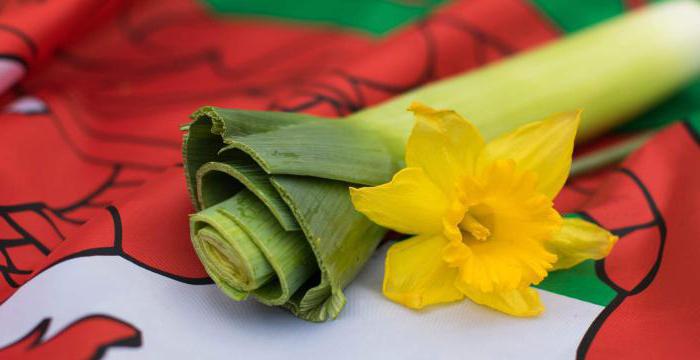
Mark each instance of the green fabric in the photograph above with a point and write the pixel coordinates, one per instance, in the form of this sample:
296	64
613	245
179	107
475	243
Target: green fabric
377	17
694	122
579	282
574	15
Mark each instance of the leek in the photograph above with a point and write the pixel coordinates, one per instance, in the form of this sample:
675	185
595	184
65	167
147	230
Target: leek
274	217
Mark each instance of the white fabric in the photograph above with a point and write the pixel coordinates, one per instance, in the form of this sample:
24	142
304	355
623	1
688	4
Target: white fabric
10	72
197	321
26	105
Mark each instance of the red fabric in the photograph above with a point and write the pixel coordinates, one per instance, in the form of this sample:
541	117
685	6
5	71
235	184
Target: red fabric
85	338
654	266
32	30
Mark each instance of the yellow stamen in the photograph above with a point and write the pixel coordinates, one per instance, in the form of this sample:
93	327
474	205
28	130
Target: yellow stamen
474	227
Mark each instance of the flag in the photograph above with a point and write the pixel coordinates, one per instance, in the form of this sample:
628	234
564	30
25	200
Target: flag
95	255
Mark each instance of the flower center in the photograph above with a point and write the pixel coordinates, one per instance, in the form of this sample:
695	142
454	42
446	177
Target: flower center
478	222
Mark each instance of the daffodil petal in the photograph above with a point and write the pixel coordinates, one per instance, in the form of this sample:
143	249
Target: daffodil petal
415	274
444	144
544	147
518	302
579	240
409	204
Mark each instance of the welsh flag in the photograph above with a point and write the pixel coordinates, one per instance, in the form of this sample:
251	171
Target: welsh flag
95	255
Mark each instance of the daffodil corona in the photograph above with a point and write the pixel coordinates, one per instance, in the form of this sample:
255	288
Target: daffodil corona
482	213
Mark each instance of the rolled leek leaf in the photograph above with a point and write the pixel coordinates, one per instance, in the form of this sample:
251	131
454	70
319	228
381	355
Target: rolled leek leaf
294	241
274	218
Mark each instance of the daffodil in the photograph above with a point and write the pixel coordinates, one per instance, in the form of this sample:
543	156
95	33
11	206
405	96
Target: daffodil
482	214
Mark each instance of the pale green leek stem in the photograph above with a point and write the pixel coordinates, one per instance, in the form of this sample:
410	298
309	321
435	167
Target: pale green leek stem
613	71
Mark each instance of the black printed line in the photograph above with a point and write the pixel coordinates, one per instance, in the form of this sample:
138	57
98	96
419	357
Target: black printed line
622	294
26	39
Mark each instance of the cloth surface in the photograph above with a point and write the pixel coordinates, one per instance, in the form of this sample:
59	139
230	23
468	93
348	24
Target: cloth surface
95	258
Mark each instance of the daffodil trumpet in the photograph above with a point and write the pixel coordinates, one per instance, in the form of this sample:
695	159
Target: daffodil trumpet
275	220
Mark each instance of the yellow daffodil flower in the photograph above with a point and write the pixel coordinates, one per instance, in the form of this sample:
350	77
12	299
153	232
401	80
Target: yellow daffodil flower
481	212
